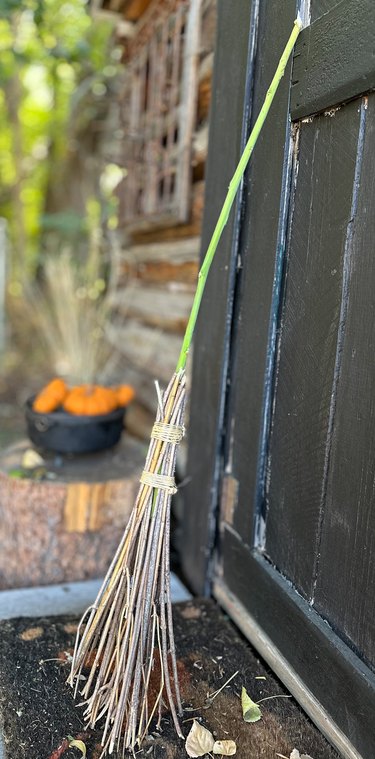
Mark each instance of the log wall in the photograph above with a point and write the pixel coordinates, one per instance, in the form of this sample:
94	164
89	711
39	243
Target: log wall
155	271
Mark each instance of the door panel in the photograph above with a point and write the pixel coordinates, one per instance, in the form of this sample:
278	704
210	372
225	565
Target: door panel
309	325
346	596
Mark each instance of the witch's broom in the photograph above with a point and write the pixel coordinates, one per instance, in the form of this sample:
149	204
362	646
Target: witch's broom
125	640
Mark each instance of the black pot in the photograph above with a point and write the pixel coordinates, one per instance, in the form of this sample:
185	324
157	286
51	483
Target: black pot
69	433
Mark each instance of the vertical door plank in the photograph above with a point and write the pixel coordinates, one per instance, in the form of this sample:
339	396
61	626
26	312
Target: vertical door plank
261	250
212	332
307	349
346	579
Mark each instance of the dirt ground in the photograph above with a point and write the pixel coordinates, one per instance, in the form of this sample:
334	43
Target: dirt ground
38	711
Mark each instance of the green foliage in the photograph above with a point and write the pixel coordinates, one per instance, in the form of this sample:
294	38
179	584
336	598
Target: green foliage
51	52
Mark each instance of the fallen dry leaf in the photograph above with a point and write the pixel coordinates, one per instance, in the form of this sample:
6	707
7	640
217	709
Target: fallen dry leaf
199	741
225	748
190	612
250	710
77	744
31	459
296	755
31	633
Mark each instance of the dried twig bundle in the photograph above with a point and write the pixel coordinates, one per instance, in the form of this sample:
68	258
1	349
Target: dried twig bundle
127	640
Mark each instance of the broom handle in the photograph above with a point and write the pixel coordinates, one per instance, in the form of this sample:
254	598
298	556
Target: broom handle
231	194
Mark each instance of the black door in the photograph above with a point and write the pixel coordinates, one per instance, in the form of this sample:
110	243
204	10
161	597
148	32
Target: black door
280	509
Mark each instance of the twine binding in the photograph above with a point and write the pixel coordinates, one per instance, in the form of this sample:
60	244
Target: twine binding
170	433
159	481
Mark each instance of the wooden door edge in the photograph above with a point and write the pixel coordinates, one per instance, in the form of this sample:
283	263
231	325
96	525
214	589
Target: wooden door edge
280	666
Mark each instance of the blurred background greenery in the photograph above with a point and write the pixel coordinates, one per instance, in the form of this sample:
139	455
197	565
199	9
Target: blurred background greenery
60	71
57	69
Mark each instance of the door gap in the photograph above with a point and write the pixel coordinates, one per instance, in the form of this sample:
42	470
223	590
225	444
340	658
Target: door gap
273	350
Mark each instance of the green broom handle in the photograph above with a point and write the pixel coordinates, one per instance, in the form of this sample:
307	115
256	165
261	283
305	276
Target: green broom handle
231	194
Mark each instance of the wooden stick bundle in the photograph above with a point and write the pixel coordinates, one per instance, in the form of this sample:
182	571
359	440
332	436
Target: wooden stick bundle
130	628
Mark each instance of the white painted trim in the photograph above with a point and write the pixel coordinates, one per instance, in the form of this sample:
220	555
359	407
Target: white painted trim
69	598
264	645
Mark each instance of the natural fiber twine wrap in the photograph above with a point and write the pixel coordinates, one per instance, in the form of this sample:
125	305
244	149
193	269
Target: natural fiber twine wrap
129	627
171	433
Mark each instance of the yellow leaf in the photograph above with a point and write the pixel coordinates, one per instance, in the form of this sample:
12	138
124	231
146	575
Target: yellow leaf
225	748
250	710
31	459
77	744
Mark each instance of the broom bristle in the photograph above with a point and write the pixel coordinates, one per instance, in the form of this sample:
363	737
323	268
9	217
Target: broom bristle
126	639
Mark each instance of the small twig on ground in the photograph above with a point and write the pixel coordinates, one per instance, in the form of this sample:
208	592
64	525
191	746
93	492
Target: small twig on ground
210	697
267	698
213	695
